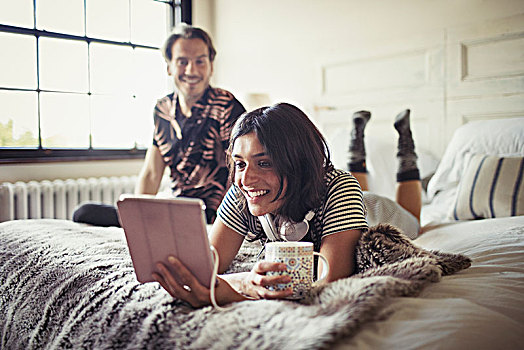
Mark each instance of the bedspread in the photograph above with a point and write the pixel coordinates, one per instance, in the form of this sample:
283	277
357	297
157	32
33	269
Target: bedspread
65	285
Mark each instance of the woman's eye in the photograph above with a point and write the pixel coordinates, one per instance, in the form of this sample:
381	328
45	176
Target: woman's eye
265	164
240	165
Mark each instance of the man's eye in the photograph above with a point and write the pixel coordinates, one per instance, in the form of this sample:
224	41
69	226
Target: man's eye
181	62
200	62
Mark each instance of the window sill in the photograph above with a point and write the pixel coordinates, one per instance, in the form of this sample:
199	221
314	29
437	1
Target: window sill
14	156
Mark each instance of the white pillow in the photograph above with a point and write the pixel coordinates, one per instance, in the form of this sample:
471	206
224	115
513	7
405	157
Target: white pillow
490	187
499	137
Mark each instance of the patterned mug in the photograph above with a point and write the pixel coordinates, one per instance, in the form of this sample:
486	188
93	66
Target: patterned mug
298	256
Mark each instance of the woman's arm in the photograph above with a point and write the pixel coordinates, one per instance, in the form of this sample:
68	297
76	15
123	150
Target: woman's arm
232	287
184	285
226	241
339	250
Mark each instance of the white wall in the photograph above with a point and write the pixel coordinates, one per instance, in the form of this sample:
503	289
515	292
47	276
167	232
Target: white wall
333	57
277	46
68	170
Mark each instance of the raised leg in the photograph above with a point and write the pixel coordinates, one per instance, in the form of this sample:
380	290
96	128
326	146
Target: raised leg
357	149
409	196
362	179
409	187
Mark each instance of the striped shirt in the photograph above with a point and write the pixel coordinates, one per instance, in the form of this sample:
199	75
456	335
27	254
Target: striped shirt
382	210
194	148
342	209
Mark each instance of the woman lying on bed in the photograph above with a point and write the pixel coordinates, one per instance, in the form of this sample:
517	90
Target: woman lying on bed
280	165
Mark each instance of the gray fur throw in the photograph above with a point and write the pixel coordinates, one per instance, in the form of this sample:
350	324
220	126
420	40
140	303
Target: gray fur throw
64	285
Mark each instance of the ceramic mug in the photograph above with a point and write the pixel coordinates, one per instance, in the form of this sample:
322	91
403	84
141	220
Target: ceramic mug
298	256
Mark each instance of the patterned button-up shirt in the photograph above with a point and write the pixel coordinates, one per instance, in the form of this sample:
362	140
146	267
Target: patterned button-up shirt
194	148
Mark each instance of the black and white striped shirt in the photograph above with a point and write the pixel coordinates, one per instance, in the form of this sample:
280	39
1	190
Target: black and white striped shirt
342	209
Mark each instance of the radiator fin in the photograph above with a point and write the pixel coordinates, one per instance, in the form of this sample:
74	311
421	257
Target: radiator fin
58	199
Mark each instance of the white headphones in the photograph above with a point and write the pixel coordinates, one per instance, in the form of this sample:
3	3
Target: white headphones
289	231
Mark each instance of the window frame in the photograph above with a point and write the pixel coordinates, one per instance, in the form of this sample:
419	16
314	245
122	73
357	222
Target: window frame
180	12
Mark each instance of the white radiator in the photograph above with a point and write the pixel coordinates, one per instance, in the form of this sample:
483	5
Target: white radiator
57	199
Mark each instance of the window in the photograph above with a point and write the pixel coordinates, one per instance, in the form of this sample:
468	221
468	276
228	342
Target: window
79	78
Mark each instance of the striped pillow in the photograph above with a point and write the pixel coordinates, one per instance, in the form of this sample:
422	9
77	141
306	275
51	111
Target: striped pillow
490	187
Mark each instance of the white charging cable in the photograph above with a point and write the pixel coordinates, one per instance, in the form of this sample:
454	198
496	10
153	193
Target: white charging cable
214	280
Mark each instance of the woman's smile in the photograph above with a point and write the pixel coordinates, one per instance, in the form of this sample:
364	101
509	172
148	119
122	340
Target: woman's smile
253	195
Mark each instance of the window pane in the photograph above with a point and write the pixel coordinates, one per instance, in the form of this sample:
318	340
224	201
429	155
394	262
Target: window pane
149	22
63	65
143	119
108	19
117	123
17	13
111	69
150	73
64	16
64	120
18	119
17	61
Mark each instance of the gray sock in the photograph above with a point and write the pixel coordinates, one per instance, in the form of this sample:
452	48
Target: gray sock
407	158
357	150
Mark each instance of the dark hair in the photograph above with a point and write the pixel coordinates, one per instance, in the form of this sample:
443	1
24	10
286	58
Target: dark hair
187	31
297	149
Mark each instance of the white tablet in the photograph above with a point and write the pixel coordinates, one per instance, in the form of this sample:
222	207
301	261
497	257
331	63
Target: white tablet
156	228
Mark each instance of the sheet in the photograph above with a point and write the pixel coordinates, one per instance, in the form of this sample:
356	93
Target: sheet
478	308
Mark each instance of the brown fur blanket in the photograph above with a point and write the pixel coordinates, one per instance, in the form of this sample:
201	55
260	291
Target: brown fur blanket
63	285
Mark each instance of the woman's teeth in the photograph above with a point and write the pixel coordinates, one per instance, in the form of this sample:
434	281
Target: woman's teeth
254	194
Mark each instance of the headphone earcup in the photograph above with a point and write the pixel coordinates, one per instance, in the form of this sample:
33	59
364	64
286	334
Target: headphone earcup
292	231
296	231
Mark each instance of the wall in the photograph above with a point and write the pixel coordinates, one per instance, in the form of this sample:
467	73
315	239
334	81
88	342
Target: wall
332	57
448	61
68	170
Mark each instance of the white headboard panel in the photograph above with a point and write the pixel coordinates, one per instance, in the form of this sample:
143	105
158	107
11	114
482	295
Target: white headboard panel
485	66
446	78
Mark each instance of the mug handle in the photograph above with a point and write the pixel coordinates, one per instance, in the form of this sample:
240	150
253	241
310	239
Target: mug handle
326	266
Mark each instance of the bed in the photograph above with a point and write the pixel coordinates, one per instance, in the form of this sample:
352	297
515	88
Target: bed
67	285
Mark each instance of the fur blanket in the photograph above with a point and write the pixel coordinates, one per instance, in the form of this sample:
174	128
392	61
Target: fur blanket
64	285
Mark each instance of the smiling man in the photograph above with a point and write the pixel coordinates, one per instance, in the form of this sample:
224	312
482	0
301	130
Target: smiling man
192	127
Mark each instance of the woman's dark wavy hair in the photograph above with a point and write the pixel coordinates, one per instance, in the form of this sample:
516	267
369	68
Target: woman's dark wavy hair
297	149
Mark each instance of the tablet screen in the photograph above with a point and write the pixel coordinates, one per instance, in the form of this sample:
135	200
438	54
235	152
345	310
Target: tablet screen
156	228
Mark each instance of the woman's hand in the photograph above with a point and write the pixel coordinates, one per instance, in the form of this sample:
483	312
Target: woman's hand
189	288
255	282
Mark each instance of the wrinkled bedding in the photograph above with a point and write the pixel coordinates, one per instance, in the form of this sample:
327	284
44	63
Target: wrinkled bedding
65	285
480	308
